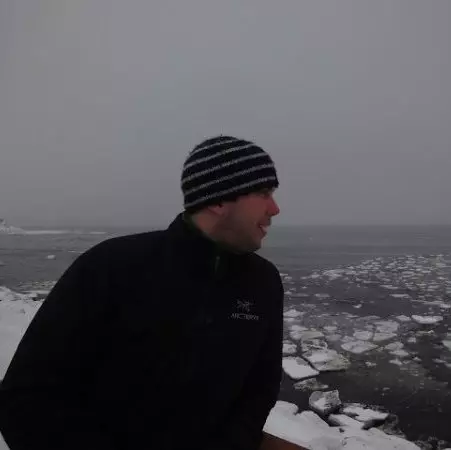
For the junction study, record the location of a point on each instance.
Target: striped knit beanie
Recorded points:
(224, 168)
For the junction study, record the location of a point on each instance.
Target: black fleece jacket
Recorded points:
(158, 340)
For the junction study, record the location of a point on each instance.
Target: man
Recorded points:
(163, 340)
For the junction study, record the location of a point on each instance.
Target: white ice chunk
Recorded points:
(387, 326)
(324, 402)
(380, 337)
(403, 318)
(364, 414)
(400, 353)
(289, 348)
(306, 430)
(286, 407)
(394, 346)
(298, 368)
(342, 420)
(358, 346)
(293, 313)
(312, 384)
(363, 335)
(327, 360)
(396, 361)
(427, 320)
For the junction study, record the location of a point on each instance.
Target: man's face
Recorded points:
(244, 222)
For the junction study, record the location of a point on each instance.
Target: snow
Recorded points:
(427, 320)
(16, 312)
(358, 346)
(305, 429)
(9, 295)
(308, 430)
(298, 369)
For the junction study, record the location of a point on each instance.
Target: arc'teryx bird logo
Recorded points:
(244, 308)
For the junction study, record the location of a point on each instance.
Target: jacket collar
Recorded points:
(199, 251)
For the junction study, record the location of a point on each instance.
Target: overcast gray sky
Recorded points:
(101, 100)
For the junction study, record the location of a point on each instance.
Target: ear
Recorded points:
(218, 210)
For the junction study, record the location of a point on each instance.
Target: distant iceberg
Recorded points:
(6, 229)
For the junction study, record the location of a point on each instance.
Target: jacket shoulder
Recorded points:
(126, 249)
(263, 264)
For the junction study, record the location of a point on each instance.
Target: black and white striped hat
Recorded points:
(224, 168)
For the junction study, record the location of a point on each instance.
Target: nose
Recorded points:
(273, 207)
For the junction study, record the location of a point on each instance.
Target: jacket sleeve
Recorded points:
(243, 429)
(44, 396)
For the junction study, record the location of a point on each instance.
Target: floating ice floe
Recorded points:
(298, 368)
(427, 320)
(397, 362)
(322, 296)
(403, 318)
(297, 332)
(387, 326)
(342, 420)
(363, 335)
(293, 313)
(334, 274)
(397, 349)
(365, 415)
(311, 384)
(380, 337)
(289, 348)
(358, 346)
(324, 403)
(327, 360)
